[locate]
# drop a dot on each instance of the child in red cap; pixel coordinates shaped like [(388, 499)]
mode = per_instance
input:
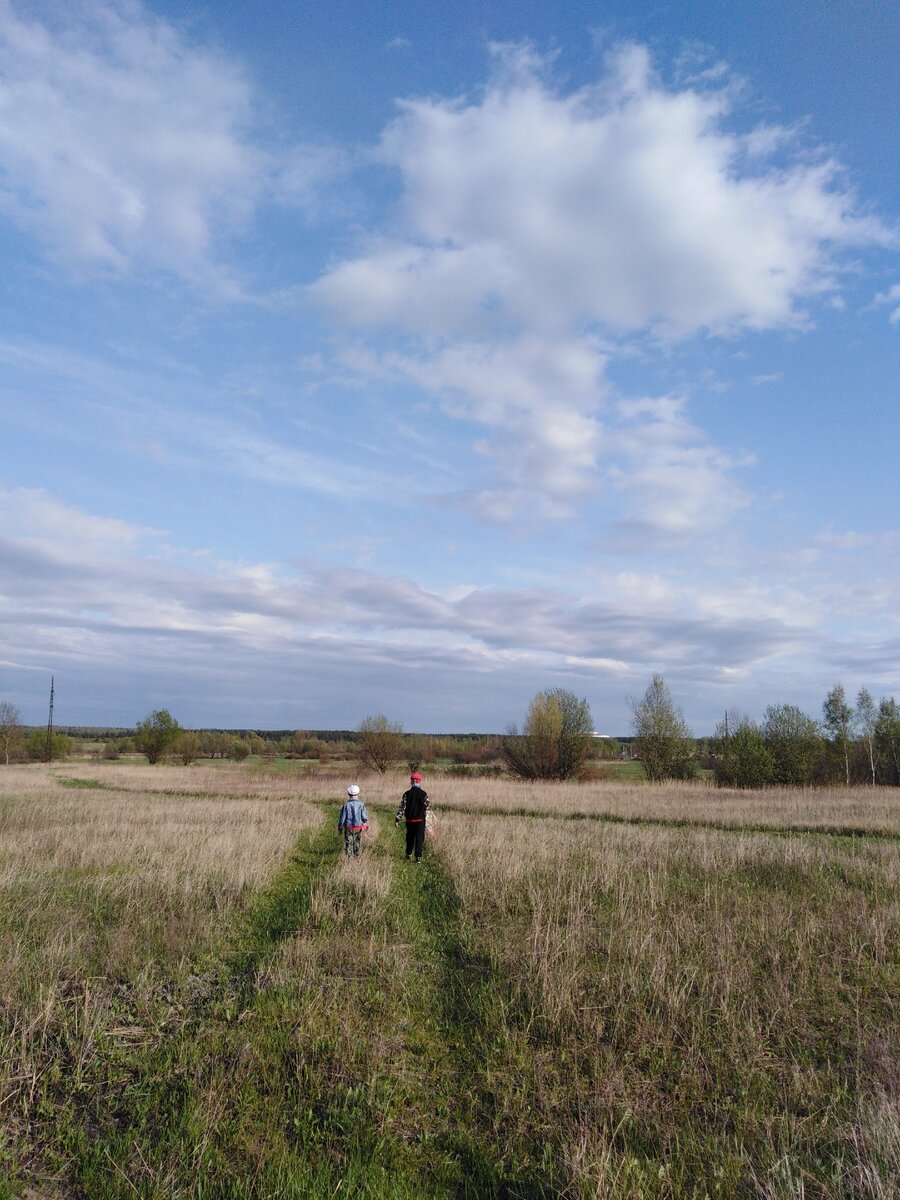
[(413, 809)]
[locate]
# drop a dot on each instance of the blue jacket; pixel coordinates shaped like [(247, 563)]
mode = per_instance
[(353, 816)]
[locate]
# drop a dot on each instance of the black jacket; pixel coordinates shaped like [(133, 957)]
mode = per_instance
[(413, 804)]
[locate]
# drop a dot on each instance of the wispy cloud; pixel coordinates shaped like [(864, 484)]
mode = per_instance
[(890, 298), (124, 144), (119, 598)]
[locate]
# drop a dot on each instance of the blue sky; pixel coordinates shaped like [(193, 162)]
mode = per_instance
[(368, 358)]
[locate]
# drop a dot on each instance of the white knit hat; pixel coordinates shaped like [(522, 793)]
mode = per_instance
[(352, 790)]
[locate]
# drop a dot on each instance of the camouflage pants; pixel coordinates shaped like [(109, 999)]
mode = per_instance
[(352, 842)]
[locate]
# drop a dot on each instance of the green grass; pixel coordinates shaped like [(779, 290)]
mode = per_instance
[(543, 1010)]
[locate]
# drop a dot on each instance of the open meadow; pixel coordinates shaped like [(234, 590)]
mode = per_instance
[(597, 990)]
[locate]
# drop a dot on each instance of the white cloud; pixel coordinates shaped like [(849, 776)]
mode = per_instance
[(890, 297), (849, 540), (38, 516), (121, 143), (627, 203), (533, 218), (679, 486), (206, 630), (538, 395)]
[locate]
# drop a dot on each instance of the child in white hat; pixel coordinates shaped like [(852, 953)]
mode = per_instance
[(352, 822)]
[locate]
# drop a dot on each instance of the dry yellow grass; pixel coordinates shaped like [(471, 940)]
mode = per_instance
[(653, 1005), (865, 808), (672, 982)]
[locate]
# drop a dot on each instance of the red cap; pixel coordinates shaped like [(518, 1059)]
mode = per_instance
[(415, 777)]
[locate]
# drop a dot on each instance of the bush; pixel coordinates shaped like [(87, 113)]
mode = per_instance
[(744, 760), (36, 746), (379, 744)]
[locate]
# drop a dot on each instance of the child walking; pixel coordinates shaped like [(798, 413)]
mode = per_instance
[(414, 810), (352, 822)]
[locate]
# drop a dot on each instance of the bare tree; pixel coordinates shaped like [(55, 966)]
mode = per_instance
[(379, 743), (10, 728)]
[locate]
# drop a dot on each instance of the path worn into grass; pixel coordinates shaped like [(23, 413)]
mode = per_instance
[(146, 1127), (476, 1152), (345, 1043)]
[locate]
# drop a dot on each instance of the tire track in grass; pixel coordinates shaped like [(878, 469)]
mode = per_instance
[(261, 1093), (479, 1076), (144, 1130)]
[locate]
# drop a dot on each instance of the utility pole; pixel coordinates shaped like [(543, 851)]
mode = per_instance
[(50, 725)]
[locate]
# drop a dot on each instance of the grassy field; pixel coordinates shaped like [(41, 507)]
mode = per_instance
[(598, 990)]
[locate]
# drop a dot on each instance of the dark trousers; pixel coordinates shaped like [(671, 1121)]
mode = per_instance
[(415, 838)]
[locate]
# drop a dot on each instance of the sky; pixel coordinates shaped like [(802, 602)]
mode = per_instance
[(397, 358)]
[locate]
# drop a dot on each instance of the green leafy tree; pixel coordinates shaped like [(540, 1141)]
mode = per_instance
[(379, 743), (10, 731), (887, 735), (867, 719), (743, 759), (36, 746), (793, 740), (662, 740), (187, 747), (838, 719), (555, 740), (155, 734), (240, 749)]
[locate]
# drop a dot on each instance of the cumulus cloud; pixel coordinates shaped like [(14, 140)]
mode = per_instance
[(626, 203), (535, 220), (122, 143)]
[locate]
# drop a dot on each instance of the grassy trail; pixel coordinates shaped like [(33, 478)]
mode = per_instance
[(475, 1150), (156, 1122), (343, 1044)]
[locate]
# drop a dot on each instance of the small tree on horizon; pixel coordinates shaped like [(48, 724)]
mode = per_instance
[(379, 743), (795, 744), (838, 718), (155, 734), (10, 729), (187, 747), (867, 718), (555, 739), (744, 760), (887, 732), (662, 740)]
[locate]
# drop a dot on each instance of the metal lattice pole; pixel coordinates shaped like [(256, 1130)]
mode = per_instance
[(50, 725)]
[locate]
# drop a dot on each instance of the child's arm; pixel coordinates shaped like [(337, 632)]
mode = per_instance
[(401, 811)]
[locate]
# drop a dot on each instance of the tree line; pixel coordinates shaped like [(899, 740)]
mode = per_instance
[(851, 743)]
